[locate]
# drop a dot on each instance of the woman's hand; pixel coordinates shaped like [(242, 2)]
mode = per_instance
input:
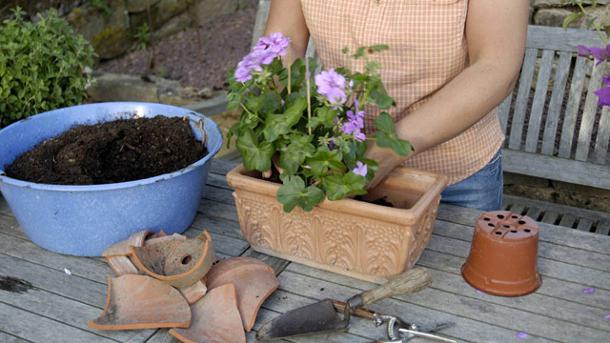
[(388, 160)]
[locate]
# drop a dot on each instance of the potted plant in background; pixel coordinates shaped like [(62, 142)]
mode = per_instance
[(303, 144)]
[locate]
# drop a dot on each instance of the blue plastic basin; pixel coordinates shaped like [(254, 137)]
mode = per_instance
[(85, 220)]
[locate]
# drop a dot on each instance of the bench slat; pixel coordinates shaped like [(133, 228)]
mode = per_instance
[(600, 154), (542, 85), (559, 85), (503, 111), (556, 38), (569, 121), (554, 168), (525, 85), (588, 115)]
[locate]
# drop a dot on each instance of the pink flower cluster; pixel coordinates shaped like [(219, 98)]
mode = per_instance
[(264, 52)]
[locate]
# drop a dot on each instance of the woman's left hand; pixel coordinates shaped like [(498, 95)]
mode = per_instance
[(388, 160)]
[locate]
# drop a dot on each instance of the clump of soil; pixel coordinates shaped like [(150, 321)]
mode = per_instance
[(117, 151)]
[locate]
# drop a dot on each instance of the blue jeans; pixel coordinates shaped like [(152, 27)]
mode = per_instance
[(481, 190)]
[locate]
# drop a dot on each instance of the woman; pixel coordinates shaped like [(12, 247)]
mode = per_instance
[(450, 63)]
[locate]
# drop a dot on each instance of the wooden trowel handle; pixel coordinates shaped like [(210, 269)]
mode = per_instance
[(410, 282)]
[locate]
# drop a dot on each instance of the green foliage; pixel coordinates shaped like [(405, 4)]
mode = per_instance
[(590, 21), (142, 36), (286, 130), (42, 66), (102, 6)]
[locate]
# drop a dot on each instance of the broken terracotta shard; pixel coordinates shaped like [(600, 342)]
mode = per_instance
[(254, 282), (141, 302), (177, 261), (193, 293), (216, 319), (121, 265), (123, 248)]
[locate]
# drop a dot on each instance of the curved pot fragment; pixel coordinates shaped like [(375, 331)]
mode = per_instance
[(174, 260), (141, 302), (216, 319), (254, 282)]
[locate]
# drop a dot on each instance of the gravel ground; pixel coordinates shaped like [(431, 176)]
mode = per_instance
[(224, 41)]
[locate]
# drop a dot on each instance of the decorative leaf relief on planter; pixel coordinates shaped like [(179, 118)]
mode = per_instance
[(423, 233), (254, 212), (383, 248), (300, 240), (339, 248)]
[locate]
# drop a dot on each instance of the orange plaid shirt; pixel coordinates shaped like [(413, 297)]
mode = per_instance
[(427, 49)]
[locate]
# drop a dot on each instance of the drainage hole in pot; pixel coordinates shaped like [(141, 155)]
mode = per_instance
[(486, 219), (491, 225), (501, 216), (513, 231), (498, 233), (527, 230), (515, 216), (522, 222), (506, 226), (186, 259)]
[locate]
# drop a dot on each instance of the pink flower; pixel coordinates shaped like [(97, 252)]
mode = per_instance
[(332, 86)]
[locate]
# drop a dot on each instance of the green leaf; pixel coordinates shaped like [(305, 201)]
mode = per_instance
[(353, 151), (568, 20), (378, 95), (324, 116), (324, 160), (280, 124), (293, 156), (341, 186), (256, 156), (294, 193), (386, 135), (297, 75)]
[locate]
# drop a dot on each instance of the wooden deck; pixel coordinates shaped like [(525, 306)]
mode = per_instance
[(55, 306)]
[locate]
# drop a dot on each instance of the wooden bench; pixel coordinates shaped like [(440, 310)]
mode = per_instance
[(554, 128)]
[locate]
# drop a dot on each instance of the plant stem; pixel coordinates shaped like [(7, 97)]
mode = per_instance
[(289, 73), (307, 77)]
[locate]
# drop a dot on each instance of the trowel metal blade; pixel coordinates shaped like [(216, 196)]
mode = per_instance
[(320, 317)]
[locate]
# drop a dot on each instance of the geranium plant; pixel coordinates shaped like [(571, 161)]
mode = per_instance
[(305, 130)]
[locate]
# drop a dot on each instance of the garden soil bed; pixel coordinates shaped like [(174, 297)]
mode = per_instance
[(117, 151)]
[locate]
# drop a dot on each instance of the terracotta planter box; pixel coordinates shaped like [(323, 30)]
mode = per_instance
[(355, 238)]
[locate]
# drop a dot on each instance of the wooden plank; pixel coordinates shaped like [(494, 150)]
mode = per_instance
[(603, 228), (558, 208), (453, 283), (549, 217), (569, 120), (517, 208), (584, 224), (567, 220), (533, 212), (547, 250), (589, 112), (40, 329), (503, 111), (300, 282), (548, 233), (552, 118), (554, 168), (544, 37), (432, 298), (546, 267), (277, 264), (525, 85), (6, 338), (600, 152), (552, 287), (542, 85), (58, 308), (261, 20)]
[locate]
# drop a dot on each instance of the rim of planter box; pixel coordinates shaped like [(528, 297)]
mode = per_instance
[(193, 117)]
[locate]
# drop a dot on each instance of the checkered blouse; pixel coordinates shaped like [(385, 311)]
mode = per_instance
[(427, 49)]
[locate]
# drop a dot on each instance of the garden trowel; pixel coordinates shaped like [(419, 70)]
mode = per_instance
[(323, 316)]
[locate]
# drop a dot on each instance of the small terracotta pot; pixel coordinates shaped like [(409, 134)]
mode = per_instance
[(503, 255)]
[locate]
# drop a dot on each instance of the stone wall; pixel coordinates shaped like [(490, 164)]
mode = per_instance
[(553, 12), (111, 25)]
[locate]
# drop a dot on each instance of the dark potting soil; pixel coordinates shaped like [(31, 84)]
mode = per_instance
[(117, 151), (381, 201)]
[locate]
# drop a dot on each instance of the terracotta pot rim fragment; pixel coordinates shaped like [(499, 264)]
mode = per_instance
[(134, 326), (205, 247), (123, 248)]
